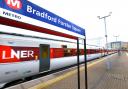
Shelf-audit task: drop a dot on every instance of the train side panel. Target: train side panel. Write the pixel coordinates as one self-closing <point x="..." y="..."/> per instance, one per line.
<point x="24" y="56"/>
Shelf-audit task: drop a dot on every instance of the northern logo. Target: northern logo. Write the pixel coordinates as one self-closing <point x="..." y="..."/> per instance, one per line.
<point x="14" y="4"/>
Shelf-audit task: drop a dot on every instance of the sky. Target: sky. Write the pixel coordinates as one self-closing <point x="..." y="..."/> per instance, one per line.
<point x="84" y="13"/>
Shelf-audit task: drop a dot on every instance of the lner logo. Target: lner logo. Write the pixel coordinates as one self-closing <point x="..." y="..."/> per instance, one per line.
<point x="14" y="4"/>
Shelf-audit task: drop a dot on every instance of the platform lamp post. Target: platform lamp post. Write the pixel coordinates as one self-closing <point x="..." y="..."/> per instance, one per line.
<point x="117" y="47"/>
<point x="116" y="41"/>
<point x="106" y="36"/>
<point x="116" y="37"/>
<point x="108" y="63"/>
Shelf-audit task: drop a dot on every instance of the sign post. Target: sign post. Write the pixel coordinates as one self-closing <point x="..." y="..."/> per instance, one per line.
<point x="85" y="65"/>
<point x="78" y="63"/>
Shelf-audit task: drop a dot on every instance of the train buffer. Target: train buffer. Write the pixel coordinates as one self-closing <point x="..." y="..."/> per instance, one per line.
<point x="110" y="72"/>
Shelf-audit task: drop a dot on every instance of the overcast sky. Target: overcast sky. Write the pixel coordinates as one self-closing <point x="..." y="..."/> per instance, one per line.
<point x="84" y="13"/>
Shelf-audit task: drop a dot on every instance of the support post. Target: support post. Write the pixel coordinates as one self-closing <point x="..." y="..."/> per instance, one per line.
<point x="85" y="65"/>
<point x="78" y="64"/>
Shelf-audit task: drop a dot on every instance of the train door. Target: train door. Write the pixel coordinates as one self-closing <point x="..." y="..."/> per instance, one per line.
<point x="44" y="57"/>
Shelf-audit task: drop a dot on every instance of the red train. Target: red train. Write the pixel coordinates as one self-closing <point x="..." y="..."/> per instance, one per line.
<point x="22" y="56"/>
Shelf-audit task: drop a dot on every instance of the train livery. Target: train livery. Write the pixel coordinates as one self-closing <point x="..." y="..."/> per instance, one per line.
<point x="23" y="56"/>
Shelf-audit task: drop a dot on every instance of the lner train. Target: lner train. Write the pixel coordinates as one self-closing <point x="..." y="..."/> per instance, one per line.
<point x="22" y="56"/>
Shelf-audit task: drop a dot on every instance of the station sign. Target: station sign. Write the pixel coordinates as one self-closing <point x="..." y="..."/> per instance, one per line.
<point x="20" y="9"/>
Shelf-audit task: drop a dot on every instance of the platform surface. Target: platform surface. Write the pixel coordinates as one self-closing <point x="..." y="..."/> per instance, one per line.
<point x="110" y="72"/>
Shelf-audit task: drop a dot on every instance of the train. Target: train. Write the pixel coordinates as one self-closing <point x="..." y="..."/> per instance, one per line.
<point x="22" y="56"/>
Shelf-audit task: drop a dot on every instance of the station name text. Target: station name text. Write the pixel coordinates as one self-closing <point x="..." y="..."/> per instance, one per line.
<point x="44" y="15"/>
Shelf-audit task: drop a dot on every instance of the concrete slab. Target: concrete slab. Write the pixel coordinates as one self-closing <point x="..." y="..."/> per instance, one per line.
<point x="31" y="83"/>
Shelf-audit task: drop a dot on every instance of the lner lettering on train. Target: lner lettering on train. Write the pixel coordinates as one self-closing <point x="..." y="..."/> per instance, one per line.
<point x="17" y="54"/>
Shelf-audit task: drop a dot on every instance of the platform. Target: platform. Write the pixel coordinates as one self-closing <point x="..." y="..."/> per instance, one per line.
<point x="110" y="72"/>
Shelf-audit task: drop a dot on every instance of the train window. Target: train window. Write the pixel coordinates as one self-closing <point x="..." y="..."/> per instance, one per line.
<point x="73" y="52"/>
<point x="45" y="53"/>
<point x="67" y="52"/>
<point x="64" y="46"/>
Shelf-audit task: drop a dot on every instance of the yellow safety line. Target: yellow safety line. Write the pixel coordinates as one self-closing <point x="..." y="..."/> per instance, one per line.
<point x="95" y="62"/>
<point x="60" y="78"/>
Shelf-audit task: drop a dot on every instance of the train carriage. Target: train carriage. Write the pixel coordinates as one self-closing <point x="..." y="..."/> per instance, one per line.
<point x="22" y="56"/>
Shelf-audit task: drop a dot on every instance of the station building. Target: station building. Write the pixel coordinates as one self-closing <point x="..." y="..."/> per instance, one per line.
<point x="118" y="45"/>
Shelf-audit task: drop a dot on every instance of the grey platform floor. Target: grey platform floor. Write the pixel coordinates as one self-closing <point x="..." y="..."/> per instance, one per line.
<point x="111" y="73"/>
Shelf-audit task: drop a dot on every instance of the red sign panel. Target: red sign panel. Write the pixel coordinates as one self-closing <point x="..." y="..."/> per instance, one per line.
<point x="16" y="54"/>
<point x="14" y="4"/>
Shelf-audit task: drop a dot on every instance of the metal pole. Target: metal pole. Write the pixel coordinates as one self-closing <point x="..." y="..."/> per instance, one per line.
<point x="104" y="17"/>
<point x="105" y="32"/>
<point x="108" y="62"/>
<point x="116" y="37"/>
<point x="78" y="63"/>
<point x="85" y="65"/>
